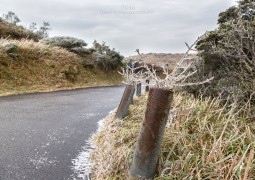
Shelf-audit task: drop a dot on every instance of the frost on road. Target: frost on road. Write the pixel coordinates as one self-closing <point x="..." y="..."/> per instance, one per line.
<point x="82" y="164"/>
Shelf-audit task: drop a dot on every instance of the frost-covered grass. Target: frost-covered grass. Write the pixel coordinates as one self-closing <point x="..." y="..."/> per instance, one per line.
<point x="203" y="140"/>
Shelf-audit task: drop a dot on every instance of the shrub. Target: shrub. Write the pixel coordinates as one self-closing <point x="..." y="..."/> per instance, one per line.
<point x="12" y="50"/>
<point x="105" y="58"/>
<point x="65" y="42"/>
<point x="82" y="51"/>
<point x="228" y="54"/>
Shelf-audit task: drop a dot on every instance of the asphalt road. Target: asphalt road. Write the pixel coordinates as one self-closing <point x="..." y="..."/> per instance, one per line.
<point x="40" y="134"/>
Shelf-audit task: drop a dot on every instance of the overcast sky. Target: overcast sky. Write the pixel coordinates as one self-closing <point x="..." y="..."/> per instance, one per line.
<point x="150" y="25"/>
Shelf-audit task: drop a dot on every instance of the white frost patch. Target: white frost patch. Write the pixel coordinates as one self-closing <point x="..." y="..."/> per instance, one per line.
<point x="41" y="161"/>
<point x="82" y="164"/>
<point x="91" y="114"/>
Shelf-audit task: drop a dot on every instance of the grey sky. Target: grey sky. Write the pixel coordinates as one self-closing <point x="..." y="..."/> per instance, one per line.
<point x="150" y="25"/>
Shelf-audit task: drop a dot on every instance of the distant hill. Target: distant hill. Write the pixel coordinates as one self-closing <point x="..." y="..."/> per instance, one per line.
<point x="11" y="31"/>
<point x="159" y="59"/>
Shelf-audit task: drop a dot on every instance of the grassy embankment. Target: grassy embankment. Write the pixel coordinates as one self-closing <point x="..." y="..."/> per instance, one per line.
<point x="8" y="30"/>
<point x="203" y="140"/>
<point x="29" y="66"/>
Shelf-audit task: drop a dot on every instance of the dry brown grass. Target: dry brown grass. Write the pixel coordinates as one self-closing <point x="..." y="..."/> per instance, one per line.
<point x="8" y="30"/>
<point x="114" y="144"/>
<point x="203" y="140"/>
<point x="39" y="67"/>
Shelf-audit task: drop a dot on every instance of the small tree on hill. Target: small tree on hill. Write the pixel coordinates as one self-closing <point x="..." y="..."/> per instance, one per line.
<point x="32" y="27"/>
<point x="11" y="17"/>
<point x="43" y="31"/>
<point x="106" y="58"/>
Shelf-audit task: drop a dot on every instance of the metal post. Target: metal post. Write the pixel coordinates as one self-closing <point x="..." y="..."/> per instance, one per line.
<point x="126" y="100"/>
<point x="138" y="89"/>
<point x="151" y="134"/>
<point x="147" y="86"/>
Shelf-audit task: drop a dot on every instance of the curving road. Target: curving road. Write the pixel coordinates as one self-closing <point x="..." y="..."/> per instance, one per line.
<point x="40" y="134"/>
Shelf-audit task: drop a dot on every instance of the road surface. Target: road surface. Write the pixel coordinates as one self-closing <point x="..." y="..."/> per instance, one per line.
<point x="40" y="134"/>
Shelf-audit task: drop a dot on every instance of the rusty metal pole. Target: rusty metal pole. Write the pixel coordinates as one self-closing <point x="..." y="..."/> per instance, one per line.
<point x="151" y="134"/>
<point x="147" y="86"/>
<point x="126" y="100"/>
<point x="138" y="89"/>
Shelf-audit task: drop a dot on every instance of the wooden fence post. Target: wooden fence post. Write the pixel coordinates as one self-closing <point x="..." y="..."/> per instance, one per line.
<point x="126" y="100"/>
<point x="151" y="133"/>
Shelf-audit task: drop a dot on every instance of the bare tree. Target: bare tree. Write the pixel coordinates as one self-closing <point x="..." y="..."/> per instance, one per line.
<point x="43" y="31"/>
<point x="32" y="27"/>
<point x="176" y="78"/>
<point x="11" y="17"/>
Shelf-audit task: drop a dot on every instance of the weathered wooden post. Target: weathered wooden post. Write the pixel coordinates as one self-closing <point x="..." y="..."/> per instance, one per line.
<point x="126" y="100"/>
<point x="151" y="133"/>
<point x="147" y="86"/>
<point x="138" y="89"/>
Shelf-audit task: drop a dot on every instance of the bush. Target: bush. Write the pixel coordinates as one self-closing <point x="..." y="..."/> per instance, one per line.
<point x="82" y="51"/>
<point x="105" y="58"/>
<point x="228" y="55"/>
<point x="12" y="50"/>
<point x="65" y="42"/>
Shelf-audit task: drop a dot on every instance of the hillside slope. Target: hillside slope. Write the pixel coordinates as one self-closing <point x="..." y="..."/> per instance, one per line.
<point x="159" y="59"/>
<point x="28" y="66"/>
<point x="8" y="30"/>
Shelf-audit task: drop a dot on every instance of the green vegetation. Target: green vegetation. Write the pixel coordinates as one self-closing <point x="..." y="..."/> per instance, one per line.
<point x="227" y="53"/>
<point x="106" y="59"/>
<point x="68" y="43"/>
